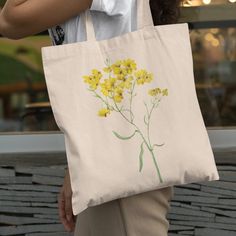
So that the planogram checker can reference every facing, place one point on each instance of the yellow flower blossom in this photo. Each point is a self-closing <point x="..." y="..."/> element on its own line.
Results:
<point x="103" y="112"/>
<point x="107" y="86"/>
<point x="120" y="73"/>
<point x="94" y="79"/>
<point x="149" y="77"/>
<point x="143" y="76"/>
<point x="118" y="63"/>
<point x="96" y="73"/>
<point x="154" y="92"/>
<point x="118" y="70"/>
<point x="94" y="84"/>
<point x="165" y="92"/>
<point x="105" y="92"/>
<point x="118" y="94"/>
<point x="87" y="79"/>
<point x="111" y="82"/>
<point x="118" y="98"/>
<point x="107" y="69"/>
<point x="118" y="90"/>
<point x="127" y="83"/>
<point x="130" y="65"/>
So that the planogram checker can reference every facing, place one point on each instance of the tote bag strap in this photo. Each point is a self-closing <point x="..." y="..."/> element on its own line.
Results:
<point x="144" y="18"/>
<point x="144" y="15"/>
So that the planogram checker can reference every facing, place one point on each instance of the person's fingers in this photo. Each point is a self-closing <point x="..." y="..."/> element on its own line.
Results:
<point x="65" y="204"/>
<point x="62" y="212"/>
<point x="68" y="211"/>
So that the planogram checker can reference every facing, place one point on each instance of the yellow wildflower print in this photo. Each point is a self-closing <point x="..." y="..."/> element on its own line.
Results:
<point x="118" y="98"/>
<point x="119" y="70"/>
<point x="117" y="82"/>
<point x="154" y="92"/>
<point x="87" y="79"/>
<point x="93" y="79"/>
<point x="165" y="92"/>
<point x="118" y="94"/>
<point x="130" y="65"/>
<point x="105" y="92"/>
<point x="143" y="76"/>
<point x="120" y="73"/>
<point x="103" y="112"/>
<point x="96" y="73"/>
<point x="107" y="86"/>
<point x="127" y="83"/>
<point x="107" y="69"/>
<point x="118" y="63"/>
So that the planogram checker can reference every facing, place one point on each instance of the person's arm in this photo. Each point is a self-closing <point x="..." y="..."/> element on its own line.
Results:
<point x="21" y="18"/>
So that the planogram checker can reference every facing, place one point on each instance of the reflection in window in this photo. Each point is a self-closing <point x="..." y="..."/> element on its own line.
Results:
<point x="193" y="3"/>
<point x="214" y="54"/>
<point x="24" y="100"/>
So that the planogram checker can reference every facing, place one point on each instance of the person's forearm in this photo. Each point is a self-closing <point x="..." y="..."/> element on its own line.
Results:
<point x="4" y="18"/>
<point x="2" y="22"/>
<point x="10" y="25"/>
<point x="22" y="18"/>
<point x="18" y="2"/>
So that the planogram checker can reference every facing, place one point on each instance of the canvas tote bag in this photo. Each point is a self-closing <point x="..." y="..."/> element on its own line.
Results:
<point x="128" y="109"/>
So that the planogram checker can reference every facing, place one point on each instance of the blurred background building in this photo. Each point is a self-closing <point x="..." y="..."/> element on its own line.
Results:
<point x="24" y="100"/>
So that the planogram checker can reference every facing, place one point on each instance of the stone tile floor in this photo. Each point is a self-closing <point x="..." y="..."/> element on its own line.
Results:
<point x="28" y="203"/>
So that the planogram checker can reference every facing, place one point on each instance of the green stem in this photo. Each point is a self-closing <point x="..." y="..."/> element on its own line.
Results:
<point x="148" y="134"/>
<point x="131" y="124"/>
<point x="128" y="111"/>
<point x="144" y="140"/>
<point x="157" y="168"/>
<point x="106" y="103"/>
<point x="149" y="118"/>
<point x="148" y="125"/>
<point x="131" y="99"/>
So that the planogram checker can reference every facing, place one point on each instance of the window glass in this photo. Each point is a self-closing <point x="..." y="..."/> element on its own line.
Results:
<point x="214" y="54"/>
<point x="24" y="100"/>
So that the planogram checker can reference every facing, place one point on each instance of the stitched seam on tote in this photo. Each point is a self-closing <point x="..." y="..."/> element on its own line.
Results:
<point x="122" y="216"/>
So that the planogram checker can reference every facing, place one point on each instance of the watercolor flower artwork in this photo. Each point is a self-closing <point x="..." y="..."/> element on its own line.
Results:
<point x="117" y="82"/>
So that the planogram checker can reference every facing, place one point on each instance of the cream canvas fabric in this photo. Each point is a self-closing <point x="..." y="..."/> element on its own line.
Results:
<point x="129" y="111"/>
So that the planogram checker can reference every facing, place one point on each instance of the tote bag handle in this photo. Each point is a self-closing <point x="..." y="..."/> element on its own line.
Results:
<point x="144" y="18"/>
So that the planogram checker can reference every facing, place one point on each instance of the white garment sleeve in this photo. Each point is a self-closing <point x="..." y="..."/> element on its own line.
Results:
<point x="112" y="7"/>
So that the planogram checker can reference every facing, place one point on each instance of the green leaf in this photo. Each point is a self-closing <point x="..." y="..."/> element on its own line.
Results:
<point x="144" y="118"/>
<point x="158" y="145"/>
<point x="122" y="137"/>
<point x="141" y="157"/>
<point x="156" y="105"/>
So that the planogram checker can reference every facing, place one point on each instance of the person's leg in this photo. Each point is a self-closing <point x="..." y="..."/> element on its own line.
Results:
<point x="145" y="213"/>
<point x="137" y="215"/>
<point x="101" y="220"/>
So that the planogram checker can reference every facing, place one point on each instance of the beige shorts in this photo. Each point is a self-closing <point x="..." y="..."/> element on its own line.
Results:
<point x="137" y="215"/>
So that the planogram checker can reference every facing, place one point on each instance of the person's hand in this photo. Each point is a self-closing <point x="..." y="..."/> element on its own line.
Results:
<point x="65" y="204"/>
